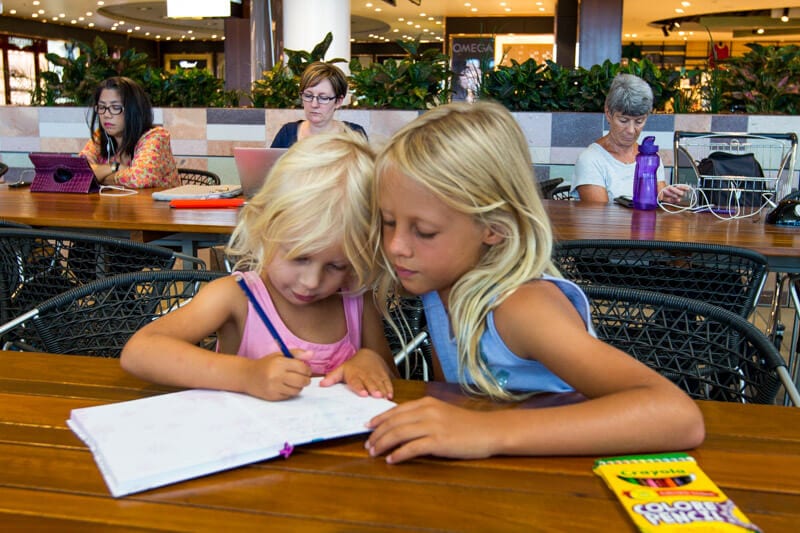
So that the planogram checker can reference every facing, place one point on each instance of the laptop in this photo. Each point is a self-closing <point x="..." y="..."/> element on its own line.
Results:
<point x="57" y="172"/>
<point x="253" y="165"/>
<point x="198" y="192"/>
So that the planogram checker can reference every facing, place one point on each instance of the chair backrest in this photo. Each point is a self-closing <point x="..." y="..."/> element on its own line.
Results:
<point x="561" y="193"/>
<point x="726" y="276"/>
<point x="193" y="176"/>
<point x="11" y="224"/>
<point x="708" y="352"/>
<point x="412" y="347"/>
<point x="546" y="186"/>
<point x="98" y="318"/>
<point x="38" y="264"/>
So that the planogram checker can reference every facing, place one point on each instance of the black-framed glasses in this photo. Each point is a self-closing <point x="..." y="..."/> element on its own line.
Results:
<point x="322" y="99"/>
<point x="113" y="109"/>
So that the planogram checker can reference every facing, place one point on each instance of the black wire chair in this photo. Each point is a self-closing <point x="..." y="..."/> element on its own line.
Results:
<point x="37" y="264"/>
<point x="546" y="186"/>
<point x="726" y="276"/>
<point x="193" y="176"/>
<point x="561" y="193"/>
<point x="412" y="347"/>
<point x="794" y="347"/>
<point x="3" y="168"/>
<point x="11" y="224"/>
<point x="98" y="318"/>
<point x="709" y="352"/>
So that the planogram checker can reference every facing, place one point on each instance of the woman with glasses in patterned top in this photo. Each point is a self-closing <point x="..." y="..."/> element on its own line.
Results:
<point x="125" y="148"/>
<point x="322" y="90"/>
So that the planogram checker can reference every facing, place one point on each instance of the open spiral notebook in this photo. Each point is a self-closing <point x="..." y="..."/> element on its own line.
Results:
<point x="156" y="441"/>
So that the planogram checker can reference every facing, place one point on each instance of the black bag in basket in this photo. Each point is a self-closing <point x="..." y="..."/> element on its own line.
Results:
<point x="727" y="166"/>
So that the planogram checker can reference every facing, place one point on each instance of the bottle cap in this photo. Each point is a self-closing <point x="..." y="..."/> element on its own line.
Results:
<point x="647" y="147"/>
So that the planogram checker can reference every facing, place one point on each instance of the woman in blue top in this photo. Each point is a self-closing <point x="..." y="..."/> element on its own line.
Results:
<point x="458" y="220"/>
<point x="323" y="88"/>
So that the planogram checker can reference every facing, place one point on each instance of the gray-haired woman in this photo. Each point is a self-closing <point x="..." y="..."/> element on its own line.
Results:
<point x="605" y="169"/>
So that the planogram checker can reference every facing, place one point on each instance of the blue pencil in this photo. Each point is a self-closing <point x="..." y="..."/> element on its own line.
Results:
<point x="264" y="318"/>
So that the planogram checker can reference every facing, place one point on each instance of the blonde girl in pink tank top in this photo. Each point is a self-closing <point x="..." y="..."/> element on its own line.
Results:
<point x="301" y="247"/>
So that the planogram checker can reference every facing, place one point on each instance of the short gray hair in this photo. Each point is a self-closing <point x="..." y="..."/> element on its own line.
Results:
<point x="629" y="95"/>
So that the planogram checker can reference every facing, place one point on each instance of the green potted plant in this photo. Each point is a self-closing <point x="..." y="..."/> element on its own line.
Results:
<point x="193" y="88"/>
<point x="516" y="86"/>
<point x="531" y="86"/>
<point x="419" y="80"/>
<point x="80" y="76"/>
<point x="764" y="80"/>
<point x="279" y="87"/>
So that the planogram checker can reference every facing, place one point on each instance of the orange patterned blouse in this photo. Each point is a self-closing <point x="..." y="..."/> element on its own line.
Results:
<point x="153" y="164"/>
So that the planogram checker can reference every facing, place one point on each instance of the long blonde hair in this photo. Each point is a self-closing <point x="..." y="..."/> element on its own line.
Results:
<point x="317" y="195"/>
<point x="474" y="158"/>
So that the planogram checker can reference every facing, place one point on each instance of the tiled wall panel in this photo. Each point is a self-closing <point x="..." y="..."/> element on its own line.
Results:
<point x="205" y="137"/>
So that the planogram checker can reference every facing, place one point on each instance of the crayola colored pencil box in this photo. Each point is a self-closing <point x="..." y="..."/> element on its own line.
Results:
<point x="669" y="492"/>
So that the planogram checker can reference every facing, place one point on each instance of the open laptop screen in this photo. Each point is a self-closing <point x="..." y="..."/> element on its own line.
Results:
<point x="253" y="165"/>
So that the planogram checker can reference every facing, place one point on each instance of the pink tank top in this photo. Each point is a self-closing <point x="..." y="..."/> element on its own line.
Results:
<point x="257" y="341"/>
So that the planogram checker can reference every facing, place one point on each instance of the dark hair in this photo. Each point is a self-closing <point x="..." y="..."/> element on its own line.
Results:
<point x="138" y="113"/>
<point x="318" y="71"/>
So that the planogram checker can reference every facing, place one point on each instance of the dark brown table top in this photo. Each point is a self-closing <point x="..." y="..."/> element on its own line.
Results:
<point x="136" y="212"/>
<point x="48" y="478"/>
<point x="577" y="220"/>
<point x="570" y="220"/>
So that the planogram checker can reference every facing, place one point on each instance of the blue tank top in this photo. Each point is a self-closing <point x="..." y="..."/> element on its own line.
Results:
<point x="511" y="371"/>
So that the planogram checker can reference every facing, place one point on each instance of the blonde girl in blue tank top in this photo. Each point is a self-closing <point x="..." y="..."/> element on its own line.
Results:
<point x="458" y="220"/>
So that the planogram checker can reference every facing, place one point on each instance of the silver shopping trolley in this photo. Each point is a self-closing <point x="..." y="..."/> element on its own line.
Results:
<point x="732" y="170"/>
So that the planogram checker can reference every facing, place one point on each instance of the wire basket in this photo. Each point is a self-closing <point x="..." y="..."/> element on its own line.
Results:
<point x="774" y="153"/>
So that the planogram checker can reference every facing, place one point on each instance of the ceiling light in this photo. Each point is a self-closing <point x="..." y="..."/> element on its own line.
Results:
<point x="194" y="9"/>
<point x="785" y="16"/>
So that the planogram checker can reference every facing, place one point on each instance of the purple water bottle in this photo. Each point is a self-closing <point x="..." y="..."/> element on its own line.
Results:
<point x="645" y="184"/>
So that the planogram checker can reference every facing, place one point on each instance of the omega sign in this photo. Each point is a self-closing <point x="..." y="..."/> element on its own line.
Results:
<point x="479" y="48"/>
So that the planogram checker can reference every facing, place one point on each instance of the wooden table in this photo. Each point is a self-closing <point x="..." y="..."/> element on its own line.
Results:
<point x="48" y="478"/>
<point x="147" y="220"/>
<point x="137" y="216"/>
<point x="780" y="244"/>
<point x="577" y="220"/>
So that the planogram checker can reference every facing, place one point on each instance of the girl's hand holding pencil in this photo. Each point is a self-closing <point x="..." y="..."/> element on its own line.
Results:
<point x="276" y="377"/>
